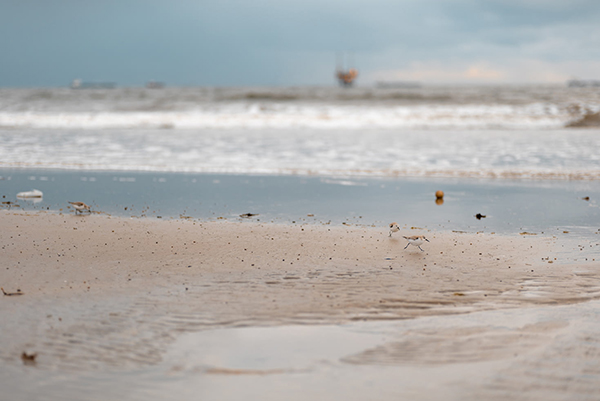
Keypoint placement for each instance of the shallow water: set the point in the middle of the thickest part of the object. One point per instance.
(510, 206)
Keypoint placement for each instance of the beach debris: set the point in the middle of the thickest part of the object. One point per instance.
(394, 228)
(586, 198)
(10, 294)
(35, 193)
(80, 207)
(480, 216)
(526, 233)
(439, 197)
(9, 204)
(28, 358)
(248, 215)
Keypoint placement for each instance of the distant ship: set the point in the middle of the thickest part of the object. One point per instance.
(79, 84)
(583, 83)
(154, 85)
(398, 84)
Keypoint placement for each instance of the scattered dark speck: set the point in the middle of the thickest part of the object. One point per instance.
(28, 359)
(248, 215)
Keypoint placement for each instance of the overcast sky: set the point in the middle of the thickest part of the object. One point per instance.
(280, 42)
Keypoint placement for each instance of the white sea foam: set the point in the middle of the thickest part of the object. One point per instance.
(511, 132)
(304, 116)
(558, 154)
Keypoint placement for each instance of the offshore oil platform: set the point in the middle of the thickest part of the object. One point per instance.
(345, 77)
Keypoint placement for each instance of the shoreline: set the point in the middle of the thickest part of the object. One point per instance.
(541, 207)
(509, 174)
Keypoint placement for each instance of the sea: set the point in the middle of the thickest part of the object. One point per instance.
(524, 156)
(531, 131)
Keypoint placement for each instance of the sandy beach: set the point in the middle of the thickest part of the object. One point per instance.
(361, 272)
(113, 294)
(242, 172)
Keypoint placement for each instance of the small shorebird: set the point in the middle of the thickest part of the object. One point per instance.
(415, 240)
(394, 228)
(80, 207)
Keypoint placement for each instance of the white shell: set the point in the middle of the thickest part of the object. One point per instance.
(36, 193)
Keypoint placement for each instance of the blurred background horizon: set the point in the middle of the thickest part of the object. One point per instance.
(279, 43)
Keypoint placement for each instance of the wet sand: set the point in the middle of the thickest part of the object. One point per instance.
(106, 296)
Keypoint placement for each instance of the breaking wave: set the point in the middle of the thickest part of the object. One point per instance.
(534, 107)
(255, 116)
(533, 154)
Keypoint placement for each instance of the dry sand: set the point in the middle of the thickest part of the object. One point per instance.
(112, 293)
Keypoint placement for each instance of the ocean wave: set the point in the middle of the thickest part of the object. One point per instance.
(257, 116)
(536, 154)
(269, 96)
(588, 120)
(338, 174)
(502, 107)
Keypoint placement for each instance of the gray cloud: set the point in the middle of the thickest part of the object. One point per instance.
(273, 42)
